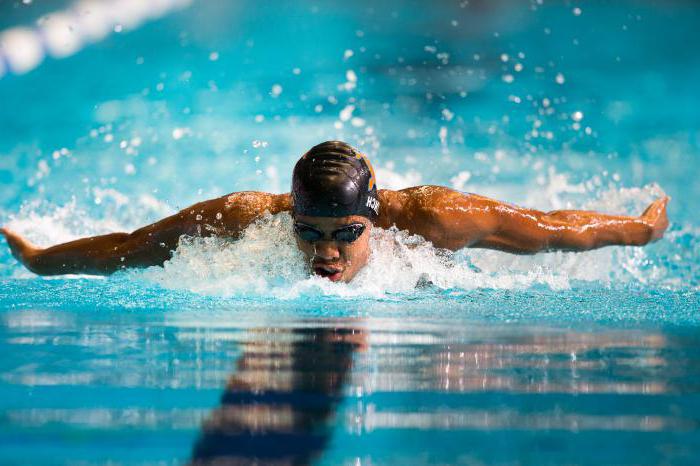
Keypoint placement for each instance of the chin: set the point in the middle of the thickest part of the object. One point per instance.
(347, 278)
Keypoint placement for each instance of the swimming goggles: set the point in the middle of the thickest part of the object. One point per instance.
(346, 234)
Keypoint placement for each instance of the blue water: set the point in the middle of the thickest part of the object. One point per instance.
(476, 357)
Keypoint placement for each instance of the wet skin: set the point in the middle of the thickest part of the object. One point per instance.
(448, 218)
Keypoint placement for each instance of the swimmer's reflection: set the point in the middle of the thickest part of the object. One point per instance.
(277, 407)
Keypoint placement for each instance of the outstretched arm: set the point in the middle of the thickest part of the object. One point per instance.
(151, 245)
(454, 220)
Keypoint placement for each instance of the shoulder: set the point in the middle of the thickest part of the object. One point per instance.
(243, 202)
(428, 203)
(255, 202)
(446, 217)
(423, 196)
(231, 213)
(415, 203)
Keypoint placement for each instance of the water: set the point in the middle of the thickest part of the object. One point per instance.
(426, 358)
(336, 381)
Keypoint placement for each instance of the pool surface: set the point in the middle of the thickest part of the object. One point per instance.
(231, 354)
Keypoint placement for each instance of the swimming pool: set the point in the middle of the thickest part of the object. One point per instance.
(427, 358)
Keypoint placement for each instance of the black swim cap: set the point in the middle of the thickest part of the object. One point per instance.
(334, 180)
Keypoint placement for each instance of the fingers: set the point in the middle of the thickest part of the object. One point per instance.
(656, 217)
(19, 247)
(14, 242)
(656, 207)
(9, 235)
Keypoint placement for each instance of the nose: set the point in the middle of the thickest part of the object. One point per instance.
(326, 250)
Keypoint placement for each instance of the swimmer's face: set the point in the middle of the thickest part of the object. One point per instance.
(330, 257)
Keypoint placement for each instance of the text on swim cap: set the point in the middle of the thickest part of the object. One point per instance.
(373, 204)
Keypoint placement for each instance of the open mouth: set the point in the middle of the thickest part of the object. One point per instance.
(332, 273)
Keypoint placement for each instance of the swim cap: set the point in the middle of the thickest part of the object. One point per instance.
(334, 180)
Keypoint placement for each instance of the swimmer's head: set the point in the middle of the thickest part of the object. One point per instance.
(333, 179)
(334, 197)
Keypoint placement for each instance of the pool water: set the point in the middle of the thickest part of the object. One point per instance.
(230, 351)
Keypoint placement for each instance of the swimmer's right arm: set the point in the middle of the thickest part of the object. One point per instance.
(151, 245)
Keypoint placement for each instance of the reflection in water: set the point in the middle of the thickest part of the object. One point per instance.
(487, 360)
(278, 407)
(378, 391)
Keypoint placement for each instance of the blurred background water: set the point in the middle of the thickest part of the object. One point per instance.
(576, 358)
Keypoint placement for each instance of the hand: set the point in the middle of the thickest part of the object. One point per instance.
(655, 217)
(21, 249)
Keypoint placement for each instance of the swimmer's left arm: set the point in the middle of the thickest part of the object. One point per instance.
(454, 220)
(527, 231)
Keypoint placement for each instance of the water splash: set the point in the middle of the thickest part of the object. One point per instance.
(265, 259)
(266, 262)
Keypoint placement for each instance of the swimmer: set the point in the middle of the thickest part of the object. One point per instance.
(335, 202)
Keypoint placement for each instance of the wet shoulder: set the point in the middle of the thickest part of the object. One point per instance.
(230, 214)
(420, 203)
(400, 207)
(255, 203)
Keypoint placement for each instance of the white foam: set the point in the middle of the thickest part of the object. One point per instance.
(66, 223)
(45, 224)
(266, 261)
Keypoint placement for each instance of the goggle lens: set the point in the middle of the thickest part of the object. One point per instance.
(307, 233)
(349, 233)
(346, 234)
